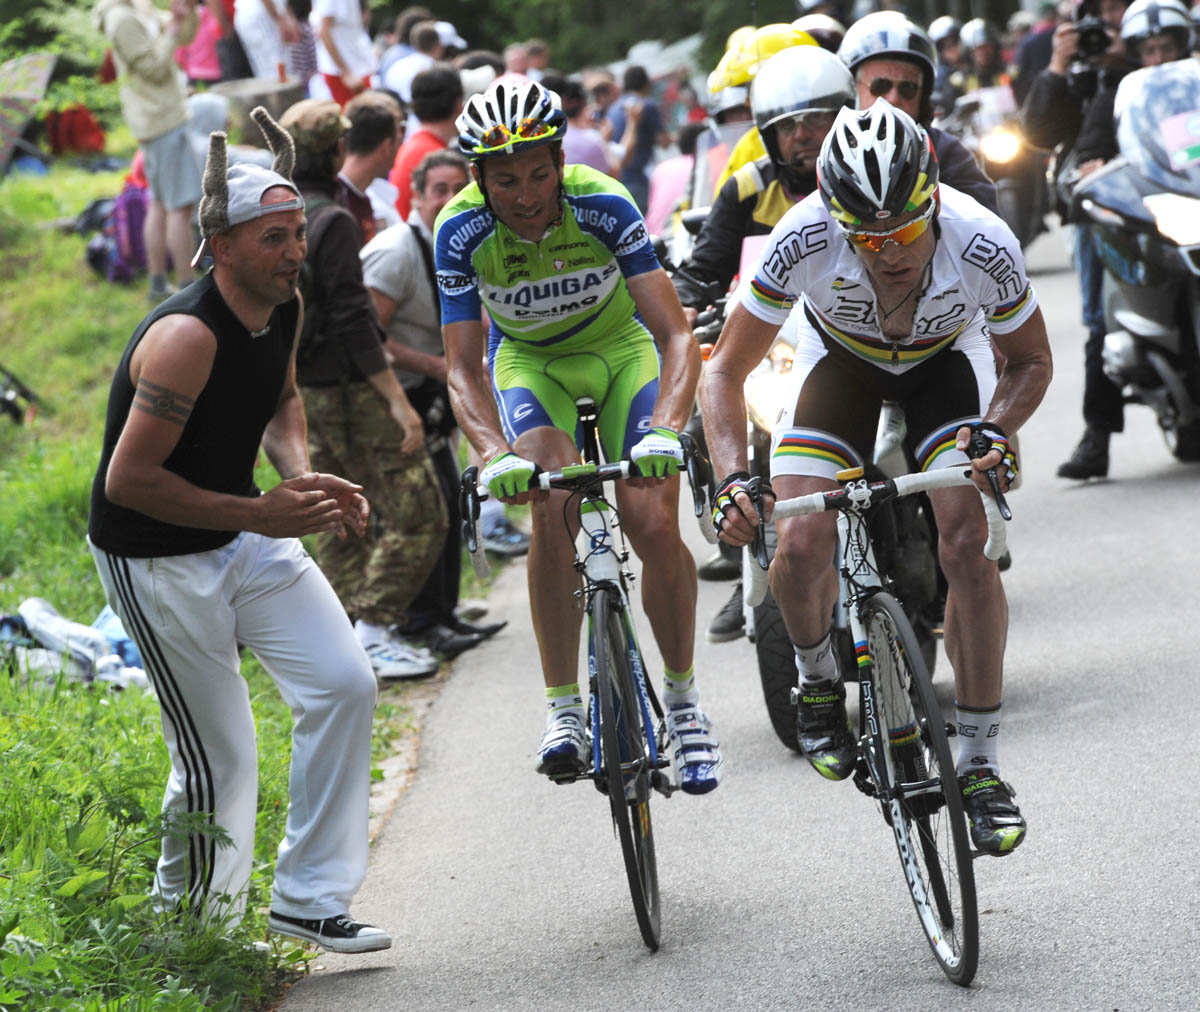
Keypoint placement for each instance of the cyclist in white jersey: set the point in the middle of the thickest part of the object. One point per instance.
(900, 283)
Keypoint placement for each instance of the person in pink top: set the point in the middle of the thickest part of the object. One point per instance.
(437, 99)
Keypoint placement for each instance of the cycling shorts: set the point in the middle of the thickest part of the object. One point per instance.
(835, 400)
(537, 386)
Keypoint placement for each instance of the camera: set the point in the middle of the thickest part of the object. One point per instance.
(1094, 35)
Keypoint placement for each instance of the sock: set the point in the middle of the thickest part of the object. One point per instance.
(491, 512)
(679, 688)
(817, 664)
(562, 700)
(368, 635)
(978, 734)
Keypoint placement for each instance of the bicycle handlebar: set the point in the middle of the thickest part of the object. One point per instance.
(576, 477)
(859, 496)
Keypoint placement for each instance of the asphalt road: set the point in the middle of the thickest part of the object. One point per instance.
(783, 891)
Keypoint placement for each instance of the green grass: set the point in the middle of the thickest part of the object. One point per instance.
(82, 769)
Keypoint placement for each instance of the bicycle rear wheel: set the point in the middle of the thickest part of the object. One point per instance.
(919, 791)
(626, 760)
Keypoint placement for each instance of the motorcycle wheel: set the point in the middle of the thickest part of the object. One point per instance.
(1182, 440)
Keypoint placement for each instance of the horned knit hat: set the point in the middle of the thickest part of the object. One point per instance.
(232, 195)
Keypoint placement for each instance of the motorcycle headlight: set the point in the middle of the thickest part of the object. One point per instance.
(780, 356)
(1177, 216)
(1000, 145)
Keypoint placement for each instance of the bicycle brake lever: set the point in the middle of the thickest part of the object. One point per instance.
(699, 474)
(468, 505)
(759, 545)
(980, 446)
(1001, 502)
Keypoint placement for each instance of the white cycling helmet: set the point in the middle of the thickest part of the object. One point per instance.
(508, 118)
(1144, 18)
(876, 164)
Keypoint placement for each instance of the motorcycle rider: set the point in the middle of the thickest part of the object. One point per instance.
(879, 248)
(892, 57)
(945, 33)
(986, 68)
(794, 96)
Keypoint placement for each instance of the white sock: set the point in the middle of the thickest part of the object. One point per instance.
(368, 635)
(562, 700)
(817, 663)
(978, 736)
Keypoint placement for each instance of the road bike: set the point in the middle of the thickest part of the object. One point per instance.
(630, 754)
(904, 759)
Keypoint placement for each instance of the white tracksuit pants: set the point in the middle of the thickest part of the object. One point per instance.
(187, 614)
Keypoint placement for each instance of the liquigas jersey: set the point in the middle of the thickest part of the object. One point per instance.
(570, 282)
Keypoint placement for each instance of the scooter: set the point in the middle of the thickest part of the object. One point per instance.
(1144, 210)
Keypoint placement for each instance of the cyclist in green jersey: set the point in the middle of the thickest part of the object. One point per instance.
(561, 260)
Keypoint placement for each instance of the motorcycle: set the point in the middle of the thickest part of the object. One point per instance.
(986, 121)
(1144, 211)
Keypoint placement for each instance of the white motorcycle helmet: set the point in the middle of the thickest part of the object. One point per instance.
(1145, 18)
(792, 82)
(892, 35)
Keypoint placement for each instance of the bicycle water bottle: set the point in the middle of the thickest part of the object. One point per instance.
(595, 541)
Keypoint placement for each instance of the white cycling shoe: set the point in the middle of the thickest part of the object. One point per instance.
(695, 752)
(565, 747)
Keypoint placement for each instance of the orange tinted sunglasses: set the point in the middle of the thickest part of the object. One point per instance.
(904, 235)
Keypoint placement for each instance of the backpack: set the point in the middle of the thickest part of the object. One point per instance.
(118, 253)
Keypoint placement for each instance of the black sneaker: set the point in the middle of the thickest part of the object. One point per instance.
(823, 729)
(1090, 459)
(719, 568)
(730, 622)
(997, 826)
(337, 934)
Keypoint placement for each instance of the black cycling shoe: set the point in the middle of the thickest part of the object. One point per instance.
(997, 826)
(823, 729)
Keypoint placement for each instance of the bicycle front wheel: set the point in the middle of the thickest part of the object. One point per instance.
(919, 791)
(626, 758)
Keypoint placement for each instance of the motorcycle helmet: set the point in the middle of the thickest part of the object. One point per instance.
(1144, 18)
(892, 35)
(876, 164)
(797, 81)
(508, 118)
(978, 32)
(944, 29)
(741, 63)
(826, 30)
(734, 97)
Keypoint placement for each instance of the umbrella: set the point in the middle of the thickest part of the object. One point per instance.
(23, 84)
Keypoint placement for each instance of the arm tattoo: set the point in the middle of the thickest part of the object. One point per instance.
(162, 403)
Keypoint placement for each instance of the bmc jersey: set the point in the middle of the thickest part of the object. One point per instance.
(977, 275)
(542, 293)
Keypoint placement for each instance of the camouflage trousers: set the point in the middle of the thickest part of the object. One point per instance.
(351, 434)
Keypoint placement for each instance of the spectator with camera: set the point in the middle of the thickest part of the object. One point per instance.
(1087, 62)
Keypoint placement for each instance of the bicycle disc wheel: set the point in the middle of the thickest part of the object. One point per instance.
(920, 791)
(626, 761)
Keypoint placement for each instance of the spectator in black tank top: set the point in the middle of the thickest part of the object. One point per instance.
(195, 560)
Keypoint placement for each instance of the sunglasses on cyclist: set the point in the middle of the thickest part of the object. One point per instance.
(500, 137)
(881, 86)
(903, 235)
